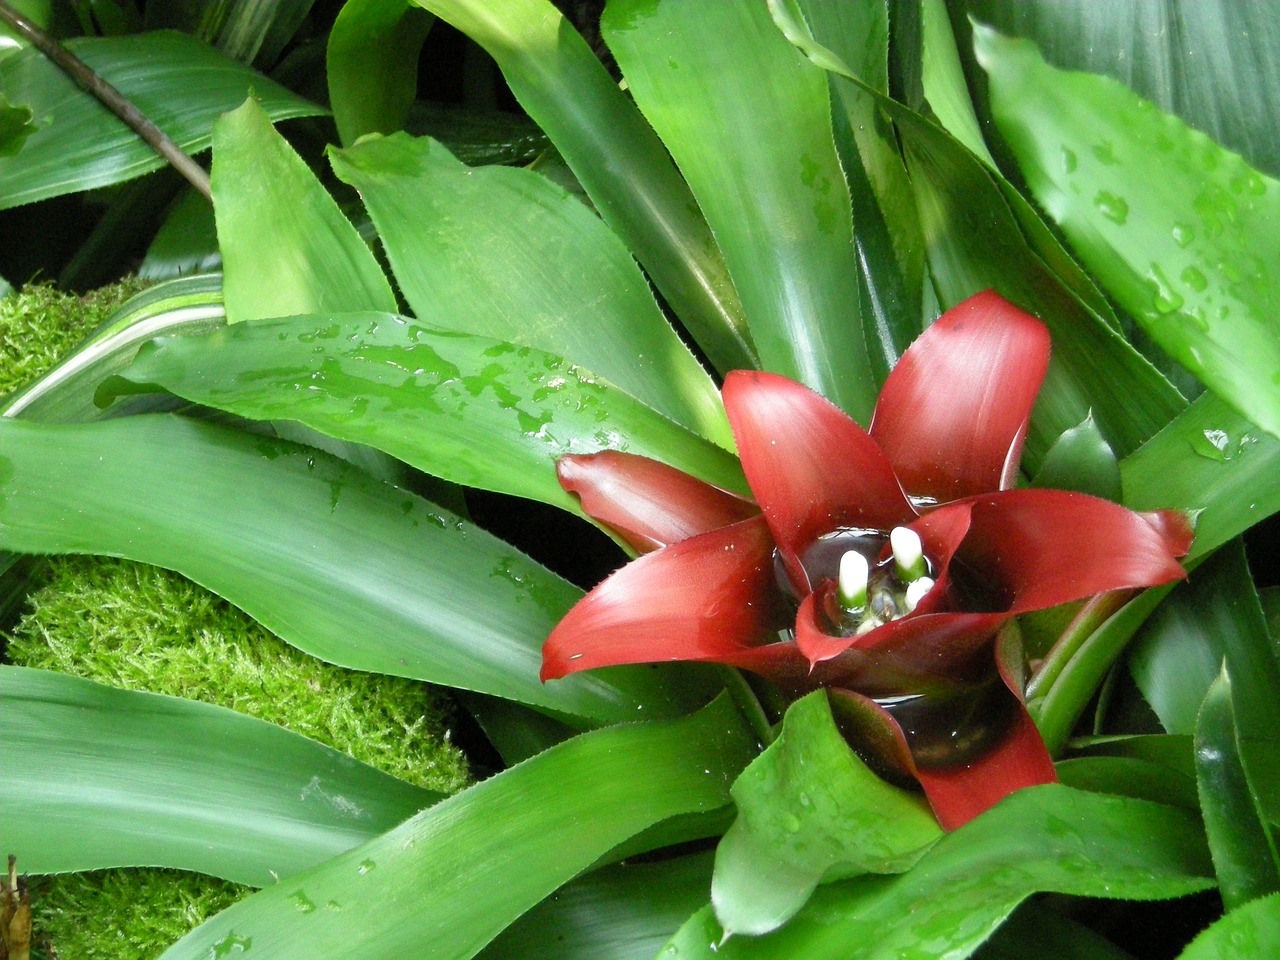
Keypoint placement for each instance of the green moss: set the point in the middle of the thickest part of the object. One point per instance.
(144, 628)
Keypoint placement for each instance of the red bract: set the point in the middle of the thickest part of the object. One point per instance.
(920, 684)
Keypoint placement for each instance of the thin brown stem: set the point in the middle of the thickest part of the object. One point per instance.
(109, 96)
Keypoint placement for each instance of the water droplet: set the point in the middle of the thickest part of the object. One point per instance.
(366, 866)
(1164, 298)
(791, 823)
(1114, 208)
(302, 902)
(1183, 235)
(1105, 152)
(1215, 445)
(229, 945)
(1069, 160)
(804, 800)
(333, 905)
(1195, 279)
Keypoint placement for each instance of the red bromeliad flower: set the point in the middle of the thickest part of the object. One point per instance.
(882, 566)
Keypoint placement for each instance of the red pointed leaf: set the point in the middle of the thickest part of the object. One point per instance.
(811, 467)
(953, 413)
(1038, 548)
(647, 503)
(711, 597)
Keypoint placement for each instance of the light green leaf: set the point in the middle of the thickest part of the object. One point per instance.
(442, 885)
(619, 161)
(286, 247)
(476, 411)
(1249, 931)
(1047, 839)
(97, 777)
(176, 81)
(1244, 855)
(349, 569)
(748, 119)
(505, 253)
(372, 65)
(1081, 459)
(1189, 252)
(809, 810)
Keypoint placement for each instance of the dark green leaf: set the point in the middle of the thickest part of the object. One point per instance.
(617, 158)
(748, 119)
(97, 777)
(476, 411)
(1130, 777)
(1081, 459)
(15, 127)
(1187, 252)
(1041, 932)
(442, 885)
(372, 65)
(624, 912)
(505, 253)
(176, 81)
(286, 247)
(1243, 852)
(186, 243)
(346, 568)
(1048, 838)
(1250, 931)
(809, 810)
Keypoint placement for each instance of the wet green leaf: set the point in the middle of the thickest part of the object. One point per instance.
(1243, 852)
(469, 409)
(809, 810)
(442, 885)
(1249, 931)
(505, 253)
(1081, 459)
(178, 82)
(286, 247)
(349, 569)
(1188, 253)
(1050, 839)
(98, 777)
(748, 120)
(15, 127)
(615, 155)
(372, 65)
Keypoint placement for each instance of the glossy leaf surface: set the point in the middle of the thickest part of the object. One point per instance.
(809, 809)
(506, 253)
(748, 120)
(469, 409)
(1244, 855)
(1048, 838)
(1250, 931)
(442, 885)
(178, 82)
(1188, 253)
(286, 247)
(98, 777)
(1082, 460)
(615, 155)
(348, 569)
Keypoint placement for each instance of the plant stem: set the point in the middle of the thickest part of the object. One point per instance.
(109, 96)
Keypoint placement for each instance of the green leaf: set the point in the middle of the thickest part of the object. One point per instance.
(622, 912)
(1244, 855)
(442, 885)
(480, 412)
(186, 243)
(1046, 839)
(15, 127)
(176, 81)
(344, 567)
(372, 65)
(286, 247)
(809, 810)
(1082, 460)
(1130, 777)
(97, 777)
(623, 166)
(1187, 252)
(505, 253)
(748, 119)
(1249, 931)
(1044, 933)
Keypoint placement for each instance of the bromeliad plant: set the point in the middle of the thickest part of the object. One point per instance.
(939, 615)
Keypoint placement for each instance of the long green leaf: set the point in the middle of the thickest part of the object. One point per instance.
(748, 120)
(349, 569)
(476, 411)
(445, 883)
(1050, 839)
(505, 253)
(1189, 252)
(97, 777)
(1249, 931)
(286, 247)
(176, 81)
(616, 157)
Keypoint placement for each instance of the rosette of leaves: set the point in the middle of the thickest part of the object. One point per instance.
(804, 197)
